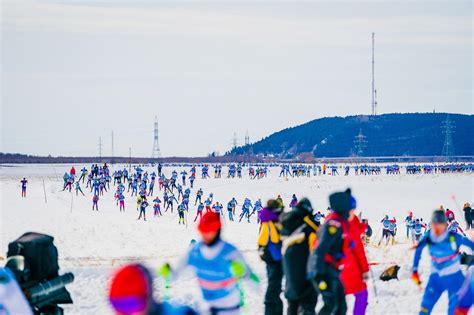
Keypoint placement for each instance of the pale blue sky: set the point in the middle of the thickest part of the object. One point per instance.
(75, 70)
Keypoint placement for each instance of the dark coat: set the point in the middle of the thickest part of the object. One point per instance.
(298, 234)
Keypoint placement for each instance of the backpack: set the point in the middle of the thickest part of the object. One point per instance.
(390, 273)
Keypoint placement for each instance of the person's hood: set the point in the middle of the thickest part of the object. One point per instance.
(267, 215)
(356, 226)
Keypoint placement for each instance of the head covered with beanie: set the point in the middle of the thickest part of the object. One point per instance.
(342, 203)
(305, 205)
(210, 227)
(271, 212)
(439, 216)
(130, 290)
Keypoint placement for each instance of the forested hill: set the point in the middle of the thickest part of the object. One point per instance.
(417, 134)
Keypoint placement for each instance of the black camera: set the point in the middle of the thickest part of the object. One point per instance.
(33, 259)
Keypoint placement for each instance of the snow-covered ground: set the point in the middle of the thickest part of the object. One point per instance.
(91, 244)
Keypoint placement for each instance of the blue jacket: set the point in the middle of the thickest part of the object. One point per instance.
(212, 265)
(444, 251)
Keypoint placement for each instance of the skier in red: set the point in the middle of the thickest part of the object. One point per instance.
(356, 266)
(72, 171)
(450, 215)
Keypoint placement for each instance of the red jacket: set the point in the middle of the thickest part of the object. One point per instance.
(355, 263)
(449, 214)
(72, 171)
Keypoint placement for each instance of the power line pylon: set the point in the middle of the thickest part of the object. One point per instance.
(155, 153)
(448, 130)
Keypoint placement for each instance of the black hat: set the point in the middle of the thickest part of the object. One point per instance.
(305, 205)
(438, 217)
(341, 202)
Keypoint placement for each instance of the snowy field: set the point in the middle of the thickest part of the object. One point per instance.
(91, 244)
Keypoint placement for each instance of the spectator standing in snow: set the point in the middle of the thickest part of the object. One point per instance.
(269, 248)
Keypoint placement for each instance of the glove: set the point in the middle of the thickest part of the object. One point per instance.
(320, 283)
(254, 278)
(416, 278)
(164, 271)
(238, 269)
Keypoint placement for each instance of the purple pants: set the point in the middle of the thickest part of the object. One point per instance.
(361, 301)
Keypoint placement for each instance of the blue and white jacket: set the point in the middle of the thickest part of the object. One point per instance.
(444, 251)
(212, 266)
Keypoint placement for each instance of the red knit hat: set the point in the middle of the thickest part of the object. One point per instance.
(130, 289)
(210, 222)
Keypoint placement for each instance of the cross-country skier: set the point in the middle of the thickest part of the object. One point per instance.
(171, 200)
(78, 189)
(466, 293)
(417, 231)
(454, 227)
(318, 217)
(134, 186)
(231, 209)
(450, 215)
(121, 200)
(219, 267)
(246, 210)
(234, 203)
(199, 211)
(257, 207)
(208, 204)
(157, 206)
(293, 201)
(217, 208)
(83, 174)
(23, 187)
(385, 229)
(95, 202)
(143, 206)
(151, 186)
(199, 194)
(393, 229)
(181, 212)
(192, 178)
(183, 177)
(446, 274)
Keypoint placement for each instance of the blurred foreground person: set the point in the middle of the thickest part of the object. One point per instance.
(219, 267)
(356, 267)
(269, 249)
(131, 293)
(12, 300)
(328, 258)
(298, 235)
(446, 274)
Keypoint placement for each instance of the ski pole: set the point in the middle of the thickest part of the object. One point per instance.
(376, 234)
(373, 284)
(186, 218)
(457, 206)
(44, 190)
(72, 198)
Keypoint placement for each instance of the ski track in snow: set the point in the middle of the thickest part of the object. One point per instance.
(92, 244)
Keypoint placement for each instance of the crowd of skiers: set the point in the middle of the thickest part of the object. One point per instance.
(321, 256)
(321, 263)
